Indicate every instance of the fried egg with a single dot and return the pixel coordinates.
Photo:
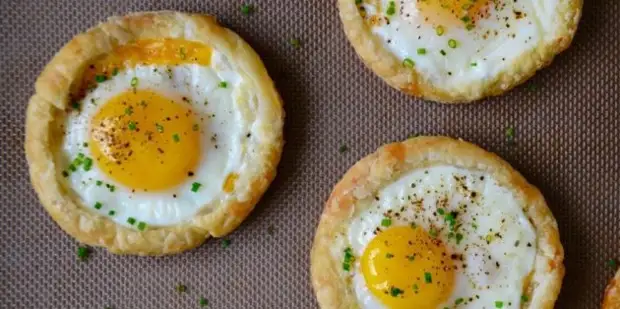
(441, 237)
(162, 128)
(461, 47)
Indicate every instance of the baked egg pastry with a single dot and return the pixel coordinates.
(611, 298)
(433, 223)
(151, 132)
(458, 50)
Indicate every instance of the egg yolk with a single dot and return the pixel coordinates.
(405, 267)
(145, 141)
(454, 12)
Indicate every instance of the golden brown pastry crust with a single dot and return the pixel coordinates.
(611, 299)
(385, 166)
(384, 63)
(52, 94)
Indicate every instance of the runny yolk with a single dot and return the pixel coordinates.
(405, 267)
(145, 141)
(453, 12)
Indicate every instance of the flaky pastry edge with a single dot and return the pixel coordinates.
(392, 161)
(389, 67)
(611, 298)
(53, 92)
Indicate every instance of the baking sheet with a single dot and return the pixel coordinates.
(567, 121)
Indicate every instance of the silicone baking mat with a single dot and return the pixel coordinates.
(567, 123)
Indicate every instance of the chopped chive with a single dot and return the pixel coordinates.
(88, 164)
(247, 9)
(98, 183)
(459, 301)
(134, 82)
(428, 278)
(415, 288)
(98, 205)
(411, 258)
(111, 212)
(100, 78)
(469, 27)
(84, 144)
(421, 51)
(442, 52)
(441, 211)
(440, 30)
(131, 220)
(223, 84)
(613, 263)
(225, 243)
(343, 148)
(176, 138)
(115, 72)
(465, 19)
(510, 134)
(195, 127)
(196, 186)
(75, 105)
(82, 253)
(524, 298)
(394, 291)
(203, 302)
(129, 110)
(159, 128)
(452, 43)
(359, 1)
(386, 222)
(346, 266)
(459, 238)
(433, 232)
(72, 168)
(65, 174)
(499, 304)
(391, 10)
(141, 226)
(473, 64)
(408, 63)
(296, 43)
(132, 125)
(389, 255)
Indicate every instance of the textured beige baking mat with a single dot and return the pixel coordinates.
(567, 121)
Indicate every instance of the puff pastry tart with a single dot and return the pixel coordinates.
(151, 132)
(612, 293)
(432, 223)
(455, 51)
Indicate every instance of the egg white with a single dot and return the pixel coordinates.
(493, 210)
(475, 58)
(222, 111)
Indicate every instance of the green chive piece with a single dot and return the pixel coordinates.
(421, 51)
(159, 128)
(181, 288)
(84, 144)
(394, 291)
(100, 78)
(389, 255)
(75, 105)
(428, 278)
(225, 243)
(98, 183)
(358, 2)
(247, 9)
(473, 64)
(195, 127)
(386, 222)
(459, 301)
(613, 263)
(524, 298)
(343, 148)
(115, 72)
(510, 134)
(176, 138)
(452, 43)
(131, 220)
(111, 212)
(391, 10)
(411, 258)
(141, 226)
(433, 232)
(134, 82)
(223, 84)
(88, 164)
(499, 304)
(196, 186)
(132, 125)
(415, 288)
(346, 266)
(469, 27)
(65, 174)
(459, 238)
(408, 63)
(203, 302)
(72, 168)
(98, 205)
(441, 211)
(348, 259)
(465, 19)
(82, 253)
(442, 52)
(296, 43)
(440, 30)
(129, 110)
